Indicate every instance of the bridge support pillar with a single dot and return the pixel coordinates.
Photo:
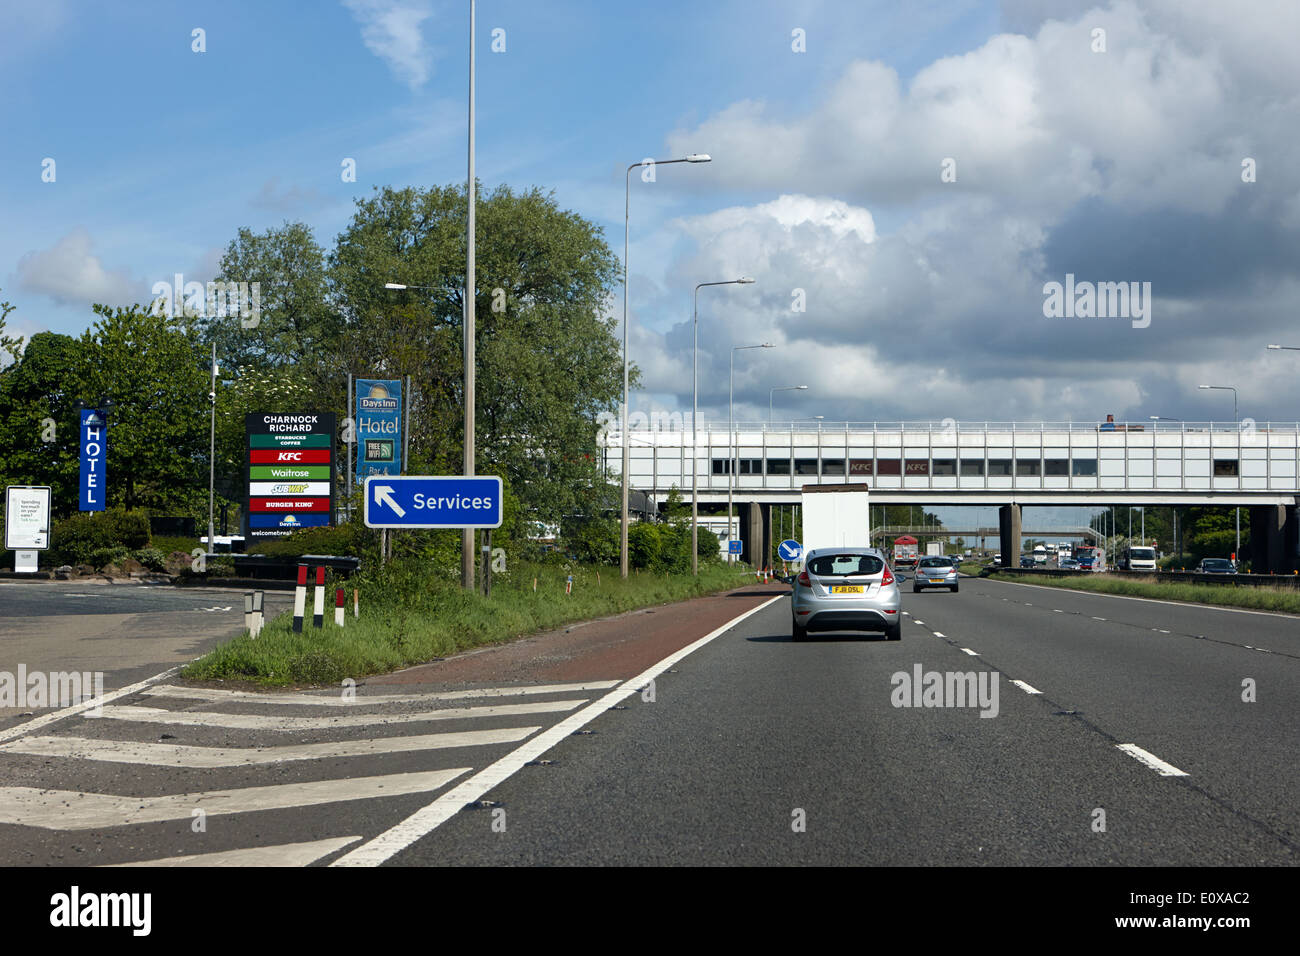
(1009, 531)
(755, 524)
(1268, 539)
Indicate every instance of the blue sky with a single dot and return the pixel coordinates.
(924, 297)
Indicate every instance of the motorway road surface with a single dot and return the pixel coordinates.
(754, 749)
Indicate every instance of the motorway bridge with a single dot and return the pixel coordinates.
(1251, 465)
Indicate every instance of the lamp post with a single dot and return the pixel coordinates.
(467, 534)
(731, 428)
(781, 388)
(627, 202)
(1237, 420)
(212, 449)
(695, 414)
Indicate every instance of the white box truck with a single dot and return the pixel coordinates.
(835, 516)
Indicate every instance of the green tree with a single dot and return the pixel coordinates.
(153, 372)
(39, 436)
(10, 345)
(295, 326)
(547, 360)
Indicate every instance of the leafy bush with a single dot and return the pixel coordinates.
(595, 541)
(101, 558)
(152, 558)
(76, 538)
(345, 539)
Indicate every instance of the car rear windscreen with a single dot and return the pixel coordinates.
(936, 562)
(842, 565)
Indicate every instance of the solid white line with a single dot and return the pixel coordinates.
(70, 810)
(46, 719)
(178, 755)
(967, 650)
(286, 854)
(426, 820)
(1026, 688)
(1125, 597)
(337, 700)
(191, 718)
(1152, 761)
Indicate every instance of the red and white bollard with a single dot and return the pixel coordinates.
(338, 606)
(300, 597)
(356, 606)
(318, 606)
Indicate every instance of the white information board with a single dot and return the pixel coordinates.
(27, 518)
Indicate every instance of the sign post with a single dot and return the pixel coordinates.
(378, 416)
(290, 473)
(27, 524)
(94, 460)
(432, 501)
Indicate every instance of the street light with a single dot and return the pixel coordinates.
(1237, 419)
(695, 414)
(781, 388)
(212, 449)
(731, 426)
(627, 204)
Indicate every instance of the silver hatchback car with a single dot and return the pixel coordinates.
(845, 589)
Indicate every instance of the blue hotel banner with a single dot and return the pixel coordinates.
(379, 427)
(94, 460)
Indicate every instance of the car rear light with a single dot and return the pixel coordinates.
(804, 579)
(888, 579)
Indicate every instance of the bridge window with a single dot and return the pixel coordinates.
(945, 466)
(751, 466)
(972, 467)
(805, 466)
(832, 466)
(889, 466)
(1056, 467)
(1085, 467)
(1028, 467)
(722, 466)
(1225, 468)
(1000, 467)
(778, 466)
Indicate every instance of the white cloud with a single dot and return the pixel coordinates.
(391, 31)
(71, 274)
(1118, 166)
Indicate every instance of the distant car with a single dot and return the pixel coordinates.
(845, 589)
(997, 558)
(935, 572)
(1026, 560)
(1069, 564)
(1216, 566)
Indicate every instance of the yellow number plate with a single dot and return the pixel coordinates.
(846, 589)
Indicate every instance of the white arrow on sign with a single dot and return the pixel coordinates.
(384, 496)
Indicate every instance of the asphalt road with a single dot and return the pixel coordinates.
(128, 632)
(753, 750)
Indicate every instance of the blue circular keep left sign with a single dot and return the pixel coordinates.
(790, 550)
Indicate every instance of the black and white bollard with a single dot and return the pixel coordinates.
(248, 614)
(318, 605)
(258, 617)
(300, 598)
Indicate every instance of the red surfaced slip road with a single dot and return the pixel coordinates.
(608, 649)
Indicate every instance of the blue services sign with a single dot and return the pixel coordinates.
(94, 460)
(432, 501)
(733, 546)
(789, 550)
(379, 427)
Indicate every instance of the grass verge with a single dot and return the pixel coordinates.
(425, 618)
(1258, 597)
